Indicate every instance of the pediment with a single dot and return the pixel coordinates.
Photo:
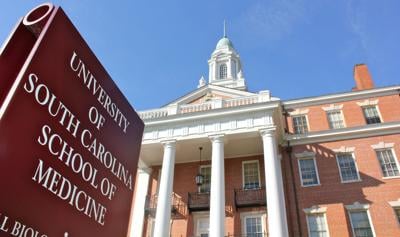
(208, 93)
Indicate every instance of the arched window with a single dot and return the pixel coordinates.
(223, 71)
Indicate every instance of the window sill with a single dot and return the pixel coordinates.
(391, 177)
(352, 181)
(311, 185)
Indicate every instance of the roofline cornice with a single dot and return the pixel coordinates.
(339, 97)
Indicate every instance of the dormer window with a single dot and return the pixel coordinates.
(223, 71)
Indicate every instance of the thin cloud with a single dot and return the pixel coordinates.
(272, 20)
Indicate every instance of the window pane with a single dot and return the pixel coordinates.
(371, 114)
(347, 167)
(388, 163)
(300, 124)
(308, 172)
(360, 223)
(223, 71)
(317, 225)
(335, 119)
(254, 227)
(251, 175)
(206, 172)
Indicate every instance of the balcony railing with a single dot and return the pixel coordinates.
(250, 197)
(262, 96)
(238, 235)
(198, 201)
(178, 206)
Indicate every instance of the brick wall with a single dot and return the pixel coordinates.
(373, 189)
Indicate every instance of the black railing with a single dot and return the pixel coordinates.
(178, 206)
(250, 197)
(264, 234)
(248, 235)
(198, 201)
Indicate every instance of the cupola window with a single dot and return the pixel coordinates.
(223, 71)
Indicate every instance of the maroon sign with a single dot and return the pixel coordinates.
(69, 140)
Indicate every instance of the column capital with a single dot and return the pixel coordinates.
(216, 137)
(267, 132)
(169, 143)
(144, 170)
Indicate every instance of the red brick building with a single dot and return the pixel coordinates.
(318, 166)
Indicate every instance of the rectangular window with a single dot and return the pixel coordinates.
(251, 175)
(206, 172)
(308, 172)
(361, 224)
(397, 211)
(335, 119)
(202, 227)
(317, 225)
(254, 226)
(371, 114)
(347, 167)
(300, 124)
(388, 163)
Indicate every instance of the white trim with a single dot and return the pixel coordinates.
(368, 102)
(196, 217)
(333, 107)
(377, 110)
(395, 160)
(344, 133)
(325, 218)
(356, 206)
(395, 204)
(298, 112)
(342, 117)
(369, 219)
(382, 145)
(355, 164)
(341, 97)
(308, 124)
(315, 210)
(252, 214)
(315, 167)
(305, 154)
(344, 149)
(258, 167)
(204, 166)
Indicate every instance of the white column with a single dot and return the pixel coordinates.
(163, 212)
(137, 218)
(217, 192)
(277, 223)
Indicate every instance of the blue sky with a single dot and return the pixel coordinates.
(156, 51)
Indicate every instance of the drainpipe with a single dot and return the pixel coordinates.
(289, 150)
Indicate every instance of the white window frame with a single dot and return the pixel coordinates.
(341, 114)
(396, 206)
(259, 176)
(377, 110)
(220, 71)
(315, 210)
(197, 216)
(355, 163)
(387, 146)
(307, 122)
(357, 207)
(254, 214)
(316, 170)
(199, 187)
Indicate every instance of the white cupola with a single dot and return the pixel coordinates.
(225, 68)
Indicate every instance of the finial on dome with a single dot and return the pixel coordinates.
(224, 29)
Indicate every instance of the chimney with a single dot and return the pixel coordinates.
(362, 77)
